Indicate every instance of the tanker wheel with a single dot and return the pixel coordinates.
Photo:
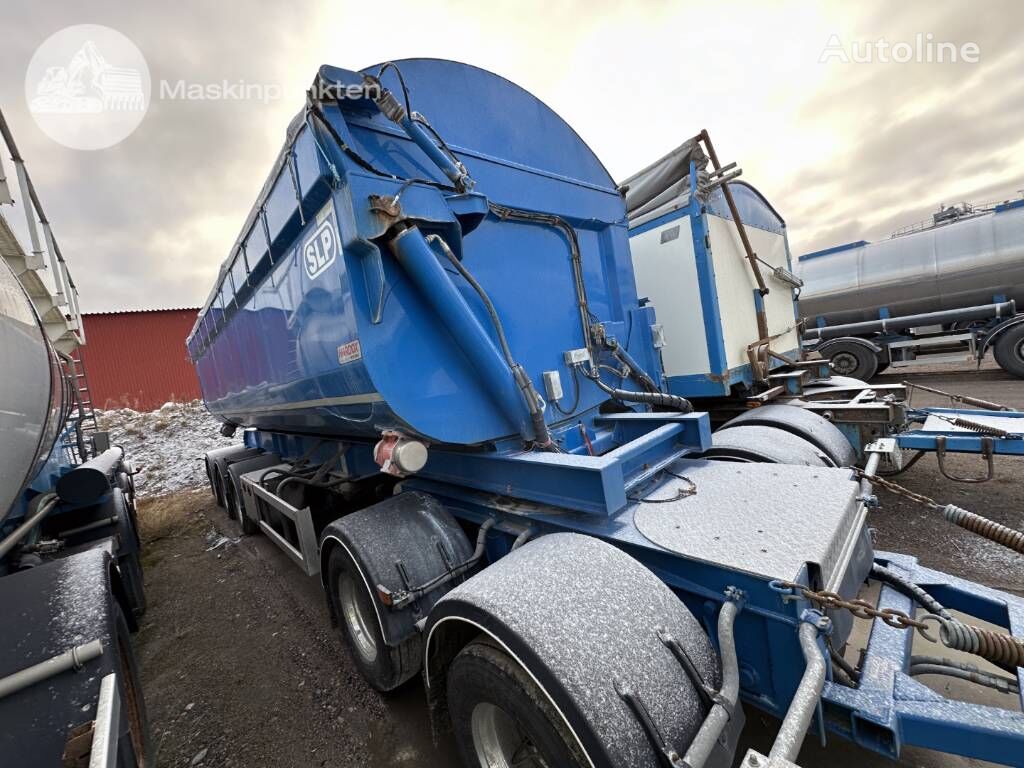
(383, 666)
(501, 718)
(853, 360)
(1009, 351)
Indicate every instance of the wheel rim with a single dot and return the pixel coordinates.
(358, 623)
(844, 363)
(499, 741)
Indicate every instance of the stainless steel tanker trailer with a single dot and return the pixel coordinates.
(455, 414)
(71, 588)
(949, 290)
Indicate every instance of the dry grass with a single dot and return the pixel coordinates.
(161, 517)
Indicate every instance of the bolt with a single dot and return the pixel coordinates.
(754, 761)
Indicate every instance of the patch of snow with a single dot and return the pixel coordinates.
(76, 611)
(166, 446)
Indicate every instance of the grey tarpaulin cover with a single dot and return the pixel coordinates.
(656, 188)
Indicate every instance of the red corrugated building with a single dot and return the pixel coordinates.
(138, 359)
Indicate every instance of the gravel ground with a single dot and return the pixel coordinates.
(241, 668)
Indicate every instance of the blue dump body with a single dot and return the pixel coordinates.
(314, 327)
(469, 281)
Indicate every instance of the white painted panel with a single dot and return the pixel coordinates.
(666, 273)
(736, 284)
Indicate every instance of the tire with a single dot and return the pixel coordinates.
(236, 509)
(853, 360)
(217, 480)
(130, 568)
(501, 717)
(383, 666)
(1009, 351)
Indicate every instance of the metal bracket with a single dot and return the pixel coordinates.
(987, 450)
(668, 757)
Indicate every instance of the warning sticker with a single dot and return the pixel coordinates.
(349, 351)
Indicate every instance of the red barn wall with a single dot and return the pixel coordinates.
(138, 359)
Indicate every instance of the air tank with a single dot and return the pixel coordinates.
(33, 391)
(964, 263)
(342, 310)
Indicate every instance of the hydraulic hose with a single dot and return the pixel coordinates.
(650, 398)
(911, 590)
(662, 399)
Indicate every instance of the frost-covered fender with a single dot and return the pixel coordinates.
(59, 605)
(999, 330)
(219, 459)
(412, 529)
(582, 617)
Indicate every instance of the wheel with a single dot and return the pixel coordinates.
(767, 444)
(1009, 351)
(130, 568)
(501, 718)
(853, 360)
(236, 509)
(383, 666)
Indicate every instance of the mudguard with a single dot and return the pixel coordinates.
(399, 543)
(749, 442)
(810, 426)
(219, 459)
(826, 345)
(585, 620)
(991, 337)
(54, 607)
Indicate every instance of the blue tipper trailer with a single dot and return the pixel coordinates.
(456, 414)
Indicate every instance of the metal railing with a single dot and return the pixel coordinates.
(65, 292)
(955, 212)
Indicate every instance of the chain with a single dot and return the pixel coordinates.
(899, 490)
(862, 609)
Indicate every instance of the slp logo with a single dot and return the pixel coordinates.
(320, 249)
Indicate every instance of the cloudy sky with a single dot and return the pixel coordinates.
(844, 149)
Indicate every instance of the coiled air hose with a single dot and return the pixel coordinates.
(982, 526)
(1003, 650)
